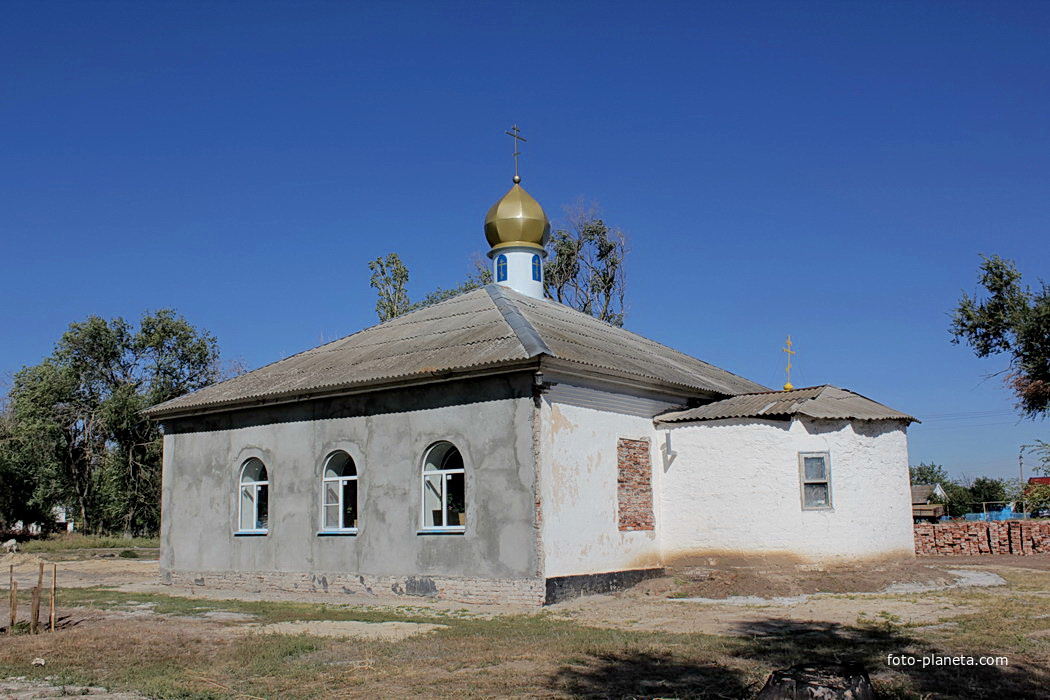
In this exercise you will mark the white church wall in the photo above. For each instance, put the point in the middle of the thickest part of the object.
(201, 469)
(580, 532)
(734, 488)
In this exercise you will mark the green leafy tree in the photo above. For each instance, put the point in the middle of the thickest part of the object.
(929, 474)
(76, 418)
(390, 279)
(985, 489)
(17, 477)
(957, 499)
(585, 266)
(1013, 320)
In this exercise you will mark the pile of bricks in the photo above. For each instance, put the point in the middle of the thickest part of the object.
(964, 538)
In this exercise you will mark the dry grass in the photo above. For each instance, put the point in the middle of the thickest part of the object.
(76, 541)
(171, 651)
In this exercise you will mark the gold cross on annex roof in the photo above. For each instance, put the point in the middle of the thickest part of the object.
(788, 386)
(515, 133)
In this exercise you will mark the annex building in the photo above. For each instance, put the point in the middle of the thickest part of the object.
(500, 446)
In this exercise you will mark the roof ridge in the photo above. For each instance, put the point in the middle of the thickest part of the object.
(531, 340)
(646, 341)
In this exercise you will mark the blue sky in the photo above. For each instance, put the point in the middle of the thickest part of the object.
(832, 170)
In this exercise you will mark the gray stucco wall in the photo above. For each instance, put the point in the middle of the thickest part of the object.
(387, 433)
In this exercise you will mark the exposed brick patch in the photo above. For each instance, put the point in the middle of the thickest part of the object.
(634, 485)
(1021, 537)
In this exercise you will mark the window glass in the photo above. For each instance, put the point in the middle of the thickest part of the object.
(444, 488)
(817, 495)
(247, 508)
(254, 470)
(455, 499)
(262, 510)
(253, 501)
(814, 467)
(339, 493)
(815, 473)
(349, 511)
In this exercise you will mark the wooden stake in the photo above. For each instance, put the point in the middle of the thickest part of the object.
(14, 606)
(40, 576)
(54, 585)
(34, 616)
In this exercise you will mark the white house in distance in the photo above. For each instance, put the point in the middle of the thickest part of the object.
(500, 446)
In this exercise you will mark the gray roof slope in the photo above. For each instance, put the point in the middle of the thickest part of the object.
(485, 327)
(814, 402)
(922, 493)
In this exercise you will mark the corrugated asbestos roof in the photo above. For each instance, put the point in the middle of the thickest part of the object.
(814, 402)
(921, 493)
(486, 327)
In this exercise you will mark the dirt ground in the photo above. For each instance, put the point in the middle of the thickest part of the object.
(79, 573)
(693, 599)
(701, 631)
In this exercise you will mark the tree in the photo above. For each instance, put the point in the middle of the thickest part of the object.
(929, 474)
(389, 279)
(1011, 320)
(76, 418)
(585, 266)
(985, 489)
(584, 270)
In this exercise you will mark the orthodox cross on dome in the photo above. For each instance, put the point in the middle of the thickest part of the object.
(515, 133)
(788, 386)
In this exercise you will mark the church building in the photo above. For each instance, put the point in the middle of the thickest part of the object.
(502, 447)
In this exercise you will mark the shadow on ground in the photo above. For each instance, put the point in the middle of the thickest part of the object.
(781, 643)
(646, 675)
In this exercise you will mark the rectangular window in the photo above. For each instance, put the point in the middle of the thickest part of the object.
(815, 474)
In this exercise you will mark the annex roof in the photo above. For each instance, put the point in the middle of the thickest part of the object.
(488, 327)
(825, 401)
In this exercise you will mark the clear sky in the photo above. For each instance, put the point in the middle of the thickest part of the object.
(832, 170)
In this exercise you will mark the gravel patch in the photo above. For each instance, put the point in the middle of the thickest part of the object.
(964, 578)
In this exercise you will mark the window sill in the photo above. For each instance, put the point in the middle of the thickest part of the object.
(251, 533)
(443, 530)
(337, 533)
(818, 509)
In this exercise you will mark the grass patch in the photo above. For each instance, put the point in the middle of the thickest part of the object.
(263, 611)
(65, 542)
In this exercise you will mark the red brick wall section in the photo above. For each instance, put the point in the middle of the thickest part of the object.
(961, 538)
(634, 485)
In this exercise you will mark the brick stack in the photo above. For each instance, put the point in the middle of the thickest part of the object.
(965, 538)
(634, 485)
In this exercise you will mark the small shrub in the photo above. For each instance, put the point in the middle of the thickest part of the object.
(128, 554)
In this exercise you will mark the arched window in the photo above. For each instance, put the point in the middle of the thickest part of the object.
(501, 268)
(444, 492)
(537, 270)
(339, 493)
(254, 508)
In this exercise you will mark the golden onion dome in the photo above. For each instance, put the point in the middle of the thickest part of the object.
(517, 220)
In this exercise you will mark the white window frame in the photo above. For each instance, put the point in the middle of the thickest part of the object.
(254, 486)
(446, 473)
(803, 481)
(339, 481)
